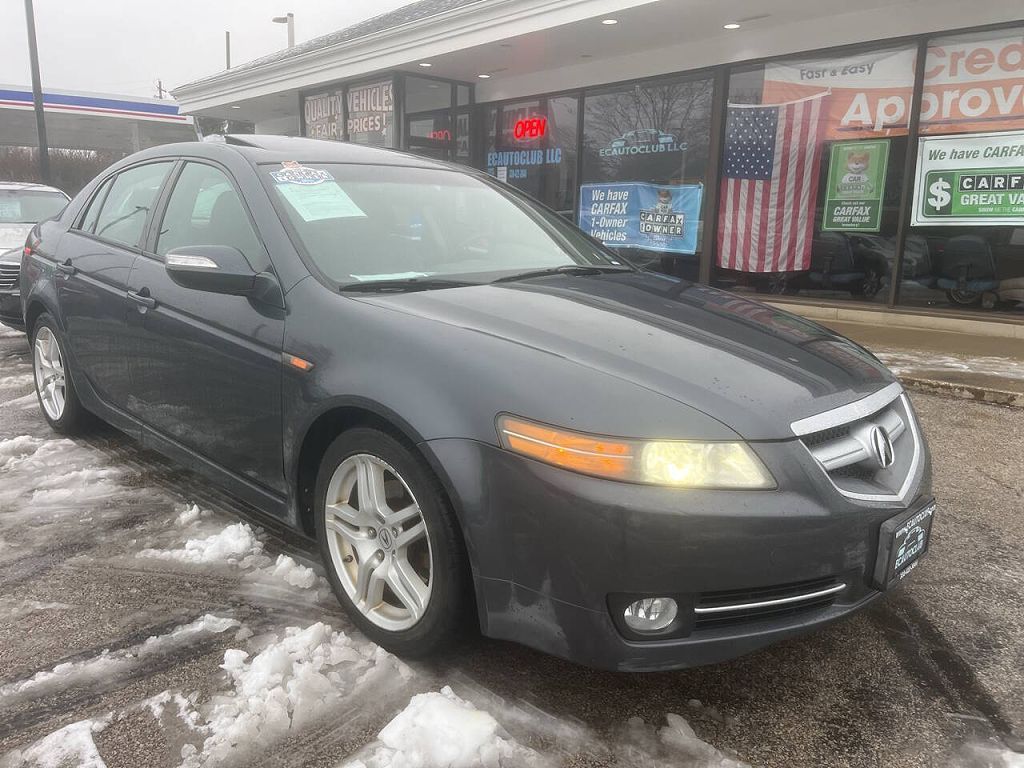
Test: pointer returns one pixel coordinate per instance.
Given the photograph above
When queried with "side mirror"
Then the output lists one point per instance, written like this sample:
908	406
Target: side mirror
221	269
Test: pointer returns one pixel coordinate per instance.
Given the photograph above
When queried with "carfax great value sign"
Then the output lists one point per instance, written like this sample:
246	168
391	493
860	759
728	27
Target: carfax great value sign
974	178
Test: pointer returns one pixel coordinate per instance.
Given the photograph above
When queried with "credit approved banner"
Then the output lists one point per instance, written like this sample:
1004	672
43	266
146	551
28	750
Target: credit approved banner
856	183
973	178
636	215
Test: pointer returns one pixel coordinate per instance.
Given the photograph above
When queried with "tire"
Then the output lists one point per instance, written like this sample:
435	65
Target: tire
382	610
54	384
964	298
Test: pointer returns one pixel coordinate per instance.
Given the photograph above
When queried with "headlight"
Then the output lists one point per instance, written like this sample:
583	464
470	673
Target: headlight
678	463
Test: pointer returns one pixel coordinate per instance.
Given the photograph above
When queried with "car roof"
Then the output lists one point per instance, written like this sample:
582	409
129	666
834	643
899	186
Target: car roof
264	148
28	186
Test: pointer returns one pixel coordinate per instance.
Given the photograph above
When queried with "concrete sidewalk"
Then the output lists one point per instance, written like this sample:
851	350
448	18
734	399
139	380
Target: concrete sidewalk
986	368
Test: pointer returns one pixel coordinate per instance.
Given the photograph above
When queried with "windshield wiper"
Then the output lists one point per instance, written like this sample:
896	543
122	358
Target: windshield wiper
403	284
565	269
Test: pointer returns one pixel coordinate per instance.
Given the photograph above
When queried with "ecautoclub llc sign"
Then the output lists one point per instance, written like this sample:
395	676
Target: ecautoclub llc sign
973	178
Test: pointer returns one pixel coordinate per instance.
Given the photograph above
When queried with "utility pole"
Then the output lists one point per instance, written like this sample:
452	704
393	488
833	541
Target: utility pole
227	49
289	19
37	94
159	89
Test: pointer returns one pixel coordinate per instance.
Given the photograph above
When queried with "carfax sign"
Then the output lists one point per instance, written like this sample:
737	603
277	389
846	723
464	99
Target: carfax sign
636	215
975	178
856	181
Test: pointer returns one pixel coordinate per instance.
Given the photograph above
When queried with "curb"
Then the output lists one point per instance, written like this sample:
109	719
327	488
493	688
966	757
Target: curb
964	391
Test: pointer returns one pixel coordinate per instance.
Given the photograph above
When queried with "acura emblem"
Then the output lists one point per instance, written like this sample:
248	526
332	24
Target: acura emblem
881	445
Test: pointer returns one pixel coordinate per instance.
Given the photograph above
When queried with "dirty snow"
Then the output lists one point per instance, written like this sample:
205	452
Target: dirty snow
110	664
237	544
441	729
189	515
54	472
297	575
70	747
917	362
296	679
11	609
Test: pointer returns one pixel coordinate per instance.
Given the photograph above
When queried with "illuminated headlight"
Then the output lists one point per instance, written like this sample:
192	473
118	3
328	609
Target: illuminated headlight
678	463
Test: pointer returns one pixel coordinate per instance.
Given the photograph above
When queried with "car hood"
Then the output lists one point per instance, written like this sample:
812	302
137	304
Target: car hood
751	366
12	236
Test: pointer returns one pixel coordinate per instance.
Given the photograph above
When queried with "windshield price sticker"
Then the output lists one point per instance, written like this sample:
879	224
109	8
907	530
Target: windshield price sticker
970	179
293	173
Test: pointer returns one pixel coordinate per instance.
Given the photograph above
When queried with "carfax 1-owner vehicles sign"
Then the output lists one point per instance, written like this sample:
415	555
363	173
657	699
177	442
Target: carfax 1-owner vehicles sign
973	178
652	217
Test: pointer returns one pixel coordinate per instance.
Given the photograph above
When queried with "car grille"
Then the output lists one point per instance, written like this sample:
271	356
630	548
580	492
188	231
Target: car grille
844	442
9	276
737	606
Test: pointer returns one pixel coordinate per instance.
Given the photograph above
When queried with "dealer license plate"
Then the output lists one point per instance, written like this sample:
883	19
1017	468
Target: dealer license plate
902	542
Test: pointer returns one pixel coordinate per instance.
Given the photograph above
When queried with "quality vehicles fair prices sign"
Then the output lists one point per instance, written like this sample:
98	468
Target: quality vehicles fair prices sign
970	179
856	182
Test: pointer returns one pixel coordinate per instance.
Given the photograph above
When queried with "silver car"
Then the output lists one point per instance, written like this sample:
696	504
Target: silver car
22	206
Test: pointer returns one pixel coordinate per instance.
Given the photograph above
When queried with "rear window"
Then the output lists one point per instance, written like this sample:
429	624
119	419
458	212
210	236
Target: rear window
361	223
18	206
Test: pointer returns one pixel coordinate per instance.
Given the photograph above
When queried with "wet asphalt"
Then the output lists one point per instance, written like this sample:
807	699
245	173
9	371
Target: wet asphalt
919	679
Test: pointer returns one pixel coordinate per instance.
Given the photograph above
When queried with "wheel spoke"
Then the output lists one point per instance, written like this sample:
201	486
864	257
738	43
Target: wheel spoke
413	534
370	486
403	516
369	587
346	514
408	587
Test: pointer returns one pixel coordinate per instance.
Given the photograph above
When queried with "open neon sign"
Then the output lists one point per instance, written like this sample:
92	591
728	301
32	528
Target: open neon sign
530	128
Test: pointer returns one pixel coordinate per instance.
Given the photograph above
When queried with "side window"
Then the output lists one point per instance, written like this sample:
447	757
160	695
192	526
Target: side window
204	209
89	220
132	195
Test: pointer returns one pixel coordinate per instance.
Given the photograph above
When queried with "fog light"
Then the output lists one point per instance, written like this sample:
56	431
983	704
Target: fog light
651	614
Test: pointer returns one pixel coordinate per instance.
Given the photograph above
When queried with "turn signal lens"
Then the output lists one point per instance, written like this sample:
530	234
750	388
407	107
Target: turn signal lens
678	463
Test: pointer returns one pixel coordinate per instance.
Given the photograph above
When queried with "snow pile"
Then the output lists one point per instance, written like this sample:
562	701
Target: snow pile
111	664
189	515
17	380
674	745
297	575
11	609
988	755
72	745
53	472
237	545
441	729
295	680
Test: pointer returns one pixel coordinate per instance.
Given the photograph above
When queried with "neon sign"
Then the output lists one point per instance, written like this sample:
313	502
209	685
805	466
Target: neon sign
530	128
443	135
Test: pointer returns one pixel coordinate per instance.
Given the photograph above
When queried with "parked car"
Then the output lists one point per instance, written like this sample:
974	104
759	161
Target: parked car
475	409
22	205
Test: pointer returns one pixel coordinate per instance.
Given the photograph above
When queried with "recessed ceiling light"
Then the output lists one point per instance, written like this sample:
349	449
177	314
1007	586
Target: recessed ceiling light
609	22
235	106
731	25
586	56
483	77
425	64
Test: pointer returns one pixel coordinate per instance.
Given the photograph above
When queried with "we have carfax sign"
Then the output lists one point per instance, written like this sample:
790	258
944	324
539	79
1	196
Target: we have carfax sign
976	178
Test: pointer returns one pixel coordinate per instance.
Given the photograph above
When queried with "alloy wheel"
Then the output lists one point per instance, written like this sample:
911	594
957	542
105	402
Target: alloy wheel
49	373
379	542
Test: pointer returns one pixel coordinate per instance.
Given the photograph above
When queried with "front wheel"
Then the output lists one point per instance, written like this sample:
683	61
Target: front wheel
390	543
55	389
964	298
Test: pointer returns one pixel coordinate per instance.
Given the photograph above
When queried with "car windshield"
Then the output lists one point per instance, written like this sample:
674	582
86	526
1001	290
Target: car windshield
20	206
364	224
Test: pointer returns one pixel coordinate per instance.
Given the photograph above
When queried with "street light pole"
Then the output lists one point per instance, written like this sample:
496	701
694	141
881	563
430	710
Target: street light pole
227	49
288	19
37	94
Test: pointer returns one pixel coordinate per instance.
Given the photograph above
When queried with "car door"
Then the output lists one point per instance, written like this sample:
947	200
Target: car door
95	258
207	369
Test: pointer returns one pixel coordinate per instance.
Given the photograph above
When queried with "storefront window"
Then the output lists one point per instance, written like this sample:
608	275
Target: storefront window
811	180
645	156
371	114
424	95
532	146
966	247
322	114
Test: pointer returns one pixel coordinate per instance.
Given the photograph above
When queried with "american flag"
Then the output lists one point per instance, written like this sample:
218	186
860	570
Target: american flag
770	186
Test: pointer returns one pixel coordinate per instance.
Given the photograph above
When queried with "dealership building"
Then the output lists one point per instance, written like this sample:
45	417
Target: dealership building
843	157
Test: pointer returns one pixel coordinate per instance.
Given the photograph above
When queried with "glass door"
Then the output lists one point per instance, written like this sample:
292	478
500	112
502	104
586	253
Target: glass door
431	134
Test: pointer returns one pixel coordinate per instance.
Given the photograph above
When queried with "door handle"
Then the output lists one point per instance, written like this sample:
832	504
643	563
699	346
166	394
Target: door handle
142	299
67	268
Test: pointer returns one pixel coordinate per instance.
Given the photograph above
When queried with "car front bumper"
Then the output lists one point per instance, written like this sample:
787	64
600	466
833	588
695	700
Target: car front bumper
10	309
556	555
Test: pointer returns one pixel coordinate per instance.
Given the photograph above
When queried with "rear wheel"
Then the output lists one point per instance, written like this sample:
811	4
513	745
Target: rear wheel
964	298
390	543
55	389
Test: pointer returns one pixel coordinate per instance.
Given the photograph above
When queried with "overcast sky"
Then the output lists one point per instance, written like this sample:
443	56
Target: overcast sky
124	46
